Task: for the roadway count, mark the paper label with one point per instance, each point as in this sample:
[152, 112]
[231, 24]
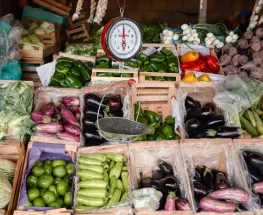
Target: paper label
[190, 47]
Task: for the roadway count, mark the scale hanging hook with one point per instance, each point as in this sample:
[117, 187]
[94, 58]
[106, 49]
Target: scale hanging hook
[121, 8]
[122, 11]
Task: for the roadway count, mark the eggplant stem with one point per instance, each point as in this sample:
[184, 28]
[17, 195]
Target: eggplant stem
[211, 133]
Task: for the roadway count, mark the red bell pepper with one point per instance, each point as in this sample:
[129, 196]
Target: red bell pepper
[208, 70]
[201, 63]
[201, 56]
[190, 66]
[212, 63]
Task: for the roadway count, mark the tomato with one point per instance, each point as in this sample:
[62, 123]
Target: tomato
[54, 205]
[62, 188]
[47, 168]
[38, 163]
[57, 180]
[59, 171]
[58, 163]
[53, 189]
[68, 178]
[49, 197]
[48, 162]
[32, 194]
[68, 199]
[44, 181]
[37, 171]
[31, 181]
[42, 191]
[60, 202]
[70, 168]
[39, 202]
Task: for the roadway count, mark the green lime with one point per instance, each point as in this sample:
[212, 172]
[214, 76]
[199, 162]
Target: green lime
[62, 188]
[70, 168]
[37, 171]
[68, 199]
[39, 202]
[54, 205]
[49, 197]
[68, 178]
[59, 171]
[28, 204]
[57, 180]
[38, 163]
[31, 181]
[48, 162]
[42, 191]
[53, 189]
[60, 202]
[44, 181]
[58, 163]
[32, 194]
[48, 169]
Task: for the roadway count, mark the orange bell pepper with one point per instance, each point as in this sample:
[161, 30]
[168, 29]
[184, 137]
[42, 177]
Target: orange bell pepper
[190, 77]
[190, 56]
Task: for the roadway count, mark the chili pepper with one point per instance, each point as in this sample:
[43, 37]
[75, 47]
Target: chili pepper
[145, 68]
[130, 63]
[208, 70]
[142, 120]
[166, 52]
[102, 59]
[205, 78]
[212, 63]
[152, 116]
[157, 58]
[75, 71]
[64, 59]
[153, 67]
[63, 84]
[55, 80]
[104, 74]
[190, 77]
[142, 138]
[189, 56]
[102, 66]
[78, 64]
[60, 68]
[168, 132]
[201, 63]
[169, 120]
[160, 136]
[73, 82]
[142, 57]
[85, 74]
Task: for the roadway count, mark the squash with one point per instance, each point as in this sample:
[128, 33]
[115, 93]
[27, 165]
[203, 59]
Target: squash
[7, 169]
[5, 192]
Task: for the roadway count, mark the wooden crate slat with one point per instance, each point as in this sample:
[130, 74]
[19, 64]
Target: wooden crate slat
[51, 7]
[59, 5]
[79, 32]
[78, 57]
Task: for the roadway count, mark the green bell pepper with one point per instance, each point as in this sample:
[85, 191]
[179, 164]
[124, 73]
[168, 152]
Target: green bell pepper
[166, 52]
[145, 68]
[85, 73]
[168, 132]
[127, 75]
[142, 138]
[142, 57]
[116, 74]
[151, 137]
[63, 84]
[157, 58]
[149, 78]
[138, 111]
[160, 136]
[142, 120]
[103, 66]
[65, 59]
[75, 71]
[102, 59]
[146, 62]
[55, 80]
[158, 78]
[152, 116]
[162, 68]
[169, 120]
[174, 69]
[73, 81]
[153, 127]
[154, 67]
[104, 74]
[62, 69]
[130, 63]
[78, 64]
[139, 62]
[170, 79]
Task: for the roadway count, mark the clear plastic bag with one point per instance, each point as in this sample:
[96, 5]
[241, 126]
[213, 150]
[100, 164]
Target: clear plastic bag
[212, 154]
[144, 158]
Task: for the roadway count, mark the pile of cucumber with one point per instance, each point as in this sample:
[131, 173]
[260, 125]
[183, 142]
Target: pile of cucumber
[103, 181]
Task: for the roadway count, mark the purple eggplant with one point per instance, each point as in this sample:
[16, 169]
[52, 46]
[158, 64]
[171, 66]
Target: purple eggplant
[87, 111]
[114, 113]
[234, 193]
[182, 204]
[204, 112]
[199, 171]
[170, 183]
[258, 187]
[213, 205]
[156, 185]
[49, 109]
[70, 101]
[256, 160]
[190, 103]
[208, 179]
[228, 132]
[93, 101]
[241, 208]
[72, 129]
[214, 122]
[211, 106]
[157, 174]
[193, 126]
[115, 102]
[67, 136]
[68, 116]
[52, 127]
[165, 167]
[221, 181]
[39, 117]
[200, 191]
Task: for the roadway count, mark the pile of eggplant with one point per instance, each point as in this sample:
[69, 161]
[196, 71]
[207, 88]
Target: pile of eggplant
[254, 163]
[213, 192]
[203, 122]
[163, 180]
[111, 106]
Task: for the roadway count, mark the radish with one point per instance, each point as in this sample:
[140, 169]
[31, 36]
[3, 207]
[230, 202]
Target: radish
[170, 202]
[225, 60]
[248, 34]
[243, 43]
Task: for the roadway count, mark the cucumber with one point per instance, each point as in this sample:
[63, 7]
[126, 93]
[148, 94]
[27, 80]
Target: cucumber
[96, 183]
[100, 157]
[95, 168]
[119, 185]
[113, 185]
[90, 201]
[115, 198]
[88, 174]
[249, 127]
[115, 157]
[89, 161]
[93, 192]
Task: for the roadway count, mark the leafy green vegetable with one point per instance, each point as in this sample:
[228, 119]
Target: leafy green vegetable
[15, 106]
[151, 33]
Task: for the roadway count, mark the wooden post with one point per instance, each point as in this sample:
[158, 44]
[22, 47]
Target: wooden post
[202, 11]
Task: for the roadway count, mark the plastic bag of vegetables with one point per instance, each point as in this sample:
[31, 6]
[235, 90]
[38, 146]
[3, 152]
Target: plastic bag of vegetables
[160, 167]
[214, 177]
[249, 157]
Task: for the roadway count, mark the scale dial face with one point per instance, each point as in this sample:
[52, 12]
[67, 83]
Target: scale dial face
[123, 39]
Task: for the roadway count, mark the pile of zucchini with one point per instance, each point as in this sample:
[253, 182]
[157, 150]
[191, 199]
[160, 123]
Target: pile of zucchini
[103, 181]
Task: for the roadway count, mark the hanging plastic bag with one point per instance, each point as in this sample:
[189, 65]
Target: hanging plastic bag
[4, 29]
[11, 71]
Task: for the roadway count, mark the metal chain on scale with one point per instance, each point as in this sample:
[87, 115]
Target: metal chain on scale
[121, 8]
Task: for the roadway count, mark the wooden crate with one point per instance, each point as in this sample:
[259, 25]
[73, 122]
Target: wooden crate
[144, 75]
[13, 150]
[58, 7]
[80, 32]
[119, 148]
[144, 155]
[21, 210]
[216, 154]
[77, 57]
[82, 19]
[95, 77]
